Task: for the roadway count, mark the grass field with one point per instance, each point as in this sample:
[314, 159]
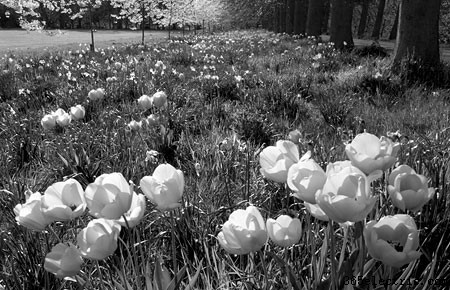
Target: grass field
[230, 96]
[22, 40]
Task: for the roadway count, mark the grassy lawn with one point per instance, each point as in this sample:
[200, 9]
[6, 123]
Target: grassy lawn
[21, 40]
[229, 96]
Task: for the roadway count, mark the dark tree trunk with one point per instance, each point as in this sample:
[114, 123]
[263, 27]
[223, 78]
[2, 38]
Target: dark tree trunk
[277, 24]
[300, 14]
[289, 16]
[282, 16]
[418, 32]
[314, 20]
[394, 29]
[341, 23]
[326, 16]
[378, 20]
[363, 19]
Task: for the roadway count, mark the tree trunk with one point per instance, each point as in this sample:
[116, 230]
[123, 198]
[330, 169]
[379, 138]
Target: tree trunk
[300, 14]
[277, 19]
[143, 23]
[378, 20]
[394, 29]
[363, 19]
[290, 16]
[326, 15]
[282, 17]
[314, 20]
[341, 23]
[418, 32]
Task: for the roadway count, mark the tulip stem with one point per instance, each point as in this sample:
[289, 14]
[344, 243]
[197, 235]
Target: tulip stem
[263, 263]
[287, 198]
[174, 255]
[54, 233]
[363, 250]
[344, 245]
[390, 279]
[97, 264]
[134, 257]
[333, 255]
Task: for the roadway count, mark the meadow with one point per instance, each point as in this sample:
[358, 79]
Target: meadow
[229, 96]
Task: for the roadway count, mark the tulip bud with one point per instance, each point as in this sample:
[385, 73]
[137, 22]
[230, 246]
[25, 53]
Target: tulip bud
[244, 232]
[284, 231]
[295, 136]
[165, 187]
[78, 112]
[159, 99]
[63, 261]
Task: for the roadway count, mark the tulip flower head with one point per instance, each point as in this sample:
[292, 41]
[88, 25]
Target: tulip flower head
[78, 112]
[145, 102]
[136, 212]
[97, 94]
[30, 215]
[109, 196]
[276, 160]
[135, 126]
[244, 232]
[64, 200]
[369, 153]
[295, 136]
[48, 122]
[316, 211]
[346, 195]
[165, 187]
[383, 237]
[159, 99]
[305, 178]
[98, 239]
[284, 231]
[152, 120]
[63, 261]
[62, 118]
[408, 190]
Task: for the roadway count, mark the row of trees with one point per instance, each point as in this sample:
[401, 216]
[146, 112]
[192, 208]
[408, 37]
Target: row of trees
[415, 26]
[37, 14]
[110, 14]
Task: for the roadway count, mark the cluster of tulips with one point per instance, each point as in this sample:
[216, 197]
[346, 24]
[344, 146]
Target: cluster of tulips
[158, 100]
[62, 118]
[342, 193]
[113, 203]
